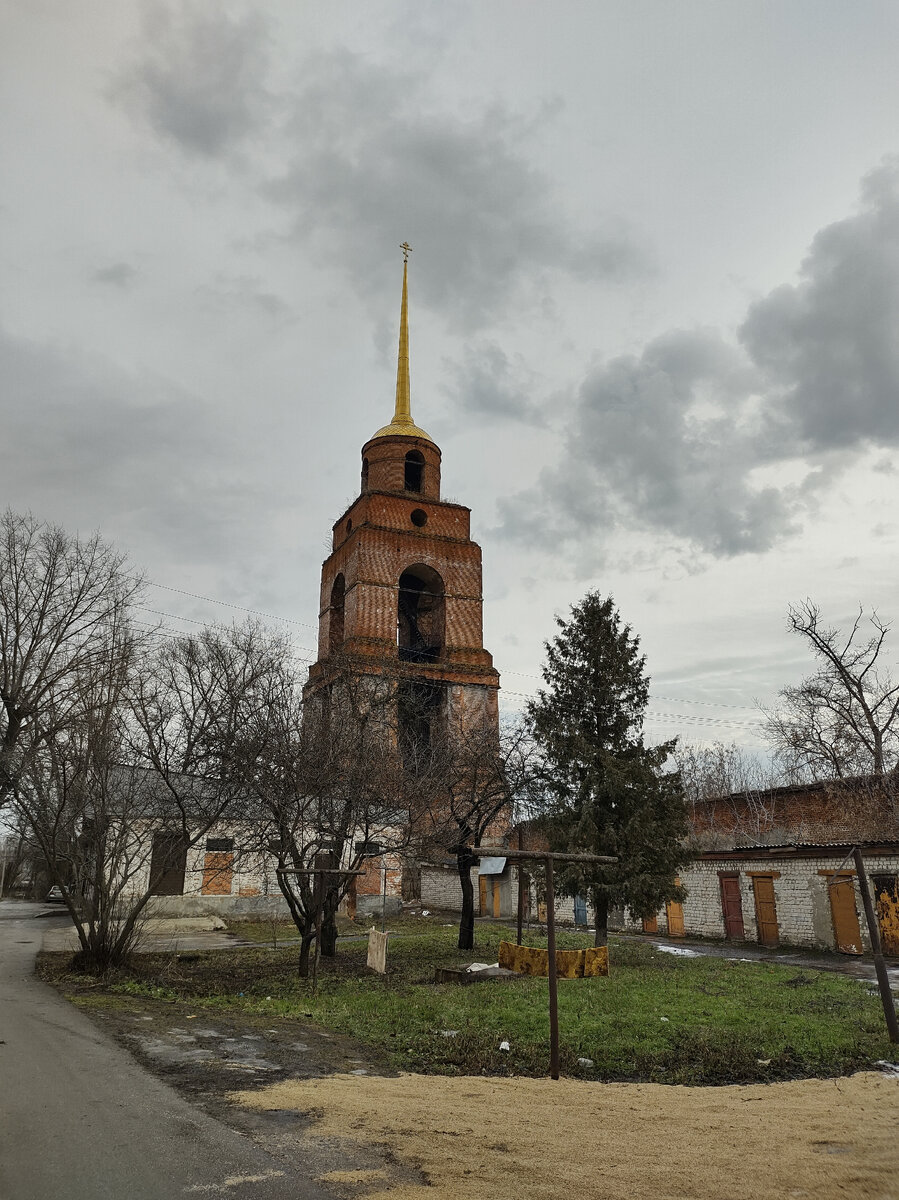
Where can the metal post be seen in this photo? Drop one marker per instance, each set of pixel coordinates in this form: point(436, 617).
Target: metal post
point(883, 980)
point(553, 981)
point(521, 877)
point(319, 888)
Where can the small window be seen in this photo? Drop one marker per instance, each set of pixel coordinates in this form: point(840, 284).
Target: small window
point(365, 474)
point(368, 849)
point(349, 525)
point(414, 473)
point(219, 845)
point(419, 517)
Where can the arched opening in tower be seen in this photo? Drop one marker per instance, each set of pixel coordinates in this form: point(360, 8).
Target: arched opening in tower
point(420, 718)
point(420, 615)
point(335, 624)
point(414, 471)
point(365, 475)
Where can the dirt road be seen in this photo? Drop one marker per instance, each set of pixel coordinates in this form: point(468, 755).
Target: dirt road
point(473, 1138)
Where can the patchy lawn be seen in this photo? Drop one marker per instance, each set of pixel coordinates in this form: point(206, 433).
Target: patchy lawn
point(658, 1017)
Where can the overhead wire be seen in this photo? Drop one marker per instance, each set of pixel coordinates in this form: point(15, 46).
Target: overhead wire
point(659, 717)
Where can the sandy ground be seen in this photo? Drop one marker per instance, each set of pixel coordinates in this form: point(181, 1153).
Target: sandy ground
point(473, 1138)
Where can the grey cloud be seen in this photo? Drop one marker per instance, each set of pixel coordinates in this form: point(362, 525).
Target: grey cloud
point(226, 291)
point(675, 441)
point(197, 78)
point(374, 162)
point(118, 274)
point(88, 445)
point(659, 443)
point(488, 383)
point(370, 161)
point(828, 345)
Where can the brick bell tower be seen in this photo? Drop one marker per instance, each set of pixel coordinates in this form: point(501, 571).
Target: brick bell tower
point(401, 589)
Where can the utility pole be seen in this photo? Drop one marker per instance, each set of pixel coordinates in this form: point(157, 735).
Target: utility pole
point(880, 969)
point(547, 857)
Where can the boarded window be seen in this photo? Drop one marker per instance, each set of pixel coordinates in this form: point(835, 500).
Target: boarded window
point(218, 871)
point(168, 863)
point(220, 844)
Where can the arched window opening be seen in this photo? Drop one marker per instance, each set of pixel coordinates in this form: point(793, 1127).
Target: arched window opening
point(335, 626)
point(365, 474)
point(420, 707)
point(420, 615)
point(415, 470)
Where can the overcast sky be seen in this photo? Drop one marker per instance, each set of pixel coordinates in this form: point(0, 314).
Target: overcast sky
point(654, 303)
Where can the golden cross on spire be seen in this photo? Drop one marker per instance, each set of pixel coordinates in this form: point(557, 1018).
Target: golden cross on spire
point(406, 249)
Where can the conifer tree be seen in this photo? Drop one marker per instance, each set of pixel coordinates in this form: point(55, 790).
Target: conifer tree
point(605, 791)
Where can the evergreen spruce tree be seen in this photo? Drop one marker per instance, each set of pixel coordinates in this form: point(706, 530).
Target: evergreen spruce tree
point(605, 791)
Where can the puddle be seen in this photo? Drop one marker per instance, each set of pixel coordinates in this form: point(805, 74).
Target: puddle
point(680, 951)
point(174, 1054)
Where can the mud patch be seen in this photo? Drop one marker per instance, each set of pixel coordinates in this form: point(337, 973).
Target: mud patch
point(203, 1059)
point(207, 1061)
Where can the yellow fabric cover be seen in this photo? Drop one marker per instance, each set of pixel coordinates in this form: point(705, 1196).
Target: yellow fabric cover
point(570, 964)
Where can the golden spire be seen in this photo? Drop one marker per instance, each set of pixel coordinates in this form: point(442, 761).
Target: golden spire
point(402, 422)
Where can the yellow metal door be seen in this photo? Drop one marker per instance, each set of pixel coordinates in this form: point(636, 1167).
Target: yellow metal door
point(846, 931)
point(497, 905)
point(765, 910)
point(482, 895)
point(675, 914)
point(886, 893)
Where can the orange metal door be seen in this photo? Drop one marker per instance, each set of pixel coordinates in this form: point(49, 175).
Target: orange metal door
point(497, 905)
point(846, 930)
point(482, 894)
point(765, 910)
point(650, 925)
point(674, 911)
point(886, 893)
point(732, 906)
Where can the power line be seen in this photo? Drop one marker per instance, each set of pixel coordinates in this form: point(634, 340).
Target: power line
point(687, 717)
point(667, 699)
point(228, 604)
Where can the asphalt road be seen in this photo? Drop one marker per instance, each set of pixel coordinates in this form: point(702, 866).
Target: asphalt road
point(81, 1120)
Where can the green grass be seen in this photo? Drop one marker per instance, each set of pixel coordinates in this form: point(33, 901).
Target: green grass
point(657, 1017)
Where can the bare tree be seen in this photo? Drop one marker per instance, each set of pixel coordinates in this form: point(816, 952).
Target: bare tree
point(60, 596)
point(478, 773)
point(843, 721)
point(331, 790)
point(140, 771)
point(727, 789)
point(16, 858)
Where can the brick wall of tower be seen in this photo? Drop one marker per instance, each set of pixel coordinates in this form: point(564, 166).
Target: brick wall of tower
point(375, 541)
point(386, 458)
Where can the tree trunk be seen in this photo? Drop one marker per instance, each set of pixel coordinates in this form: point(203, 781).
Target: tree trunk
point(465, 862)
point(601, 908)
point(329, 931)
point(306, 941)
